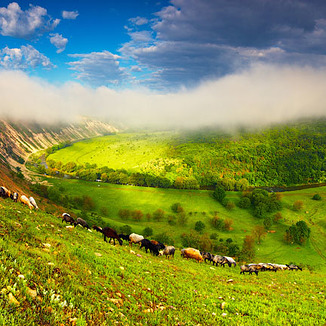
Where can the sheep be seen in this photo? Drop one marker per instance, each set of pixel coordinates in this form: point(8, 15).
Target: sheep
point(68, 219)
point(148, 245)
point(249, 268)
point(293, 267)
point(230, 261)
point(26, 201)
point(111, 234)
point(97, 228)
point(168, 251)
point(14, 196)
point(82, 222)
point(281, 267)
point(217, 259)
point(207, 256)
point(33, 202)
point(160, 245)
point(4, 192)
point(124, 236)
point(135, 238)
point(192, 253)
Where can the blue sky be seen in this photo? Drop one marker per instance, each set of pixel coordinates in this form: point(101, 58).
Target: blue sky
point(170, 48)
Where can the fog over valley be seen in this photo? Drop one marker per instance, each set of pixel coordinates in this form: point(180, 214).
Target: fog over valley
point(261, 95)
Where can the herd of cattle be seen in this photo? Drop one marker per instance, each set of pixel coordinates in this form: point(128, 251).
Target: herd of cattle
point(155, 247)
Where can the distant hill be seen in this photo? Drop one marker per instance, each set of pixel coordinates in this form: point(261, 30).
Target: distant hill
point(19, 139)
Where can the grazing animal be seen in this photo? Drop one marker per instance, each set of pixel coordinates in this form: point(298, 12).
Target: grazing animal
point(111, 234)
point(33, 202)
point(97, 228)
point(280, 267)
point(124, 236)
point(14, 196)
point(168, 251)
point(207, 256)
point(82, 222)
point(157, 243)
point(192, 253)
point(4, 192)
point(67, 218)
point(26, 201)
point(230, 261)
point(249, 269)
point(217, 259)
point(293, 267)
point(148, 245)
point(135, 238)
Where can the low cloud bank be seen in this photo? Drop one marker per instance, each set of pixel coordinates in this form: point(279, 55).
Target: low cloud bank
point(260, 95)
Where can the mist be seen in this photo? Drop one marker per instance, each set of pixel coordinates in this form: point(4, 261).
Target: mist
point(261, 95)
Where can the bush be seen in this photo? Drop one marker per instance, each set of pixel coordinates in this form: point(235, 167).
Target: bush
point(147, 232)
point(228, 224)
point(298, 205)
point(199, 226)
point(277, 217)
point(214, 236)
point(190, 240)
point(137, 214)
point(164, 238)
point(297, 233)
point(244, 203)
point(219, 194)
point(126, 229)
point(124, 214)
point(177, 208)
point(268, 222)
point(230, 205)
point(218, 223)
point(158, 215)
point(182, 219)
point(172, 220)
point(316, 197)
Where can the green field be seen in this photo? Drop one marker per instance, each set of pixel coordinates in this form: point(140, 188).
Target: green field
point(200, 206)
point(121, 151)
point(51, 275)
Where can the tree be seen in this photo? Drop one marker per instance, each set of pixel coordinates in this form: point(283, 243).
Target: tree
point(248, 248)
point(124, 214)
point(268, 222)
point(199, 226)
point(244, 202)
point(297, 233)
point(277, 217)
point(259, 232)
point(219, 194)
point(177, 208)
point(137, 214)
point(205, 243)
point(158, 215)
point(147, 232)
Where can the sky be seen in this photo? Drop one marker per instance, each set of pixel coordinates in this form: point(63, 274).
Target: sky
point(174, 62)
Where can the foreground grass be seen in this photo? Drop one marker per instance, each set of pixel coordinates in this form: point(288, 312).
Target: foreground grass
point(73, 277)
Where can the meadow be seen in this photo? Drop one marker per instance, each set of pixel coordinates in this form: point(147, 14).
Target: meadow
point(52, 275)
point(199, 205)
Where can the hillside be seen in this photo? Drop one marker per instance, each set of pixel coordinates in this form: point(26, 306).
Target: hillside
point(20, 139)
point(278, 156)
point(52, 275)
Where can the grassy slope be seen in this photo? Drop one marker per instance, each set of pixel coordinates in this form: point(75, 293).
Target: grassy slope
point(120, 151)
point(272, 248)
point(123, 288)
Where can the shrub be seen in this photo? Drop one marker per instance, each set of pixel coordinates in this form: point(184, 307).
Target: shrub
point(244, 203)
point(124, 214)
point(182, 219)
point(190, 239)
point(219, 194)
point(164, 238)
point(228, 224)
point(177, 208)
point(172, 220)
point(248, 249)
point(147, 232)
point(199, 226)
point(158, 215)
point(316, 197)
point(298, 205)
point(268, 222)
point(230, 205)
point(277, 217)
point(126, 229)
point(137, 214)
point(214, 236)
point(218, 223)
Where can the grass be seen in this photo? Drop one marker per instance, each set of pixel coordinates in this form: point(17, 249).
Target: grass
point(203, 206)
point(71, 277)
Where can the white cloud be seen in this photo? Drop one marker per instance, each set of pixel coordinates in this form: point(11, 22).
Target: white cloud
point(58, 41)
point(139, 21)
point(98, 68)
point(70, 14)
point(262, 94)
point(25, 24)
point(23, 58)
